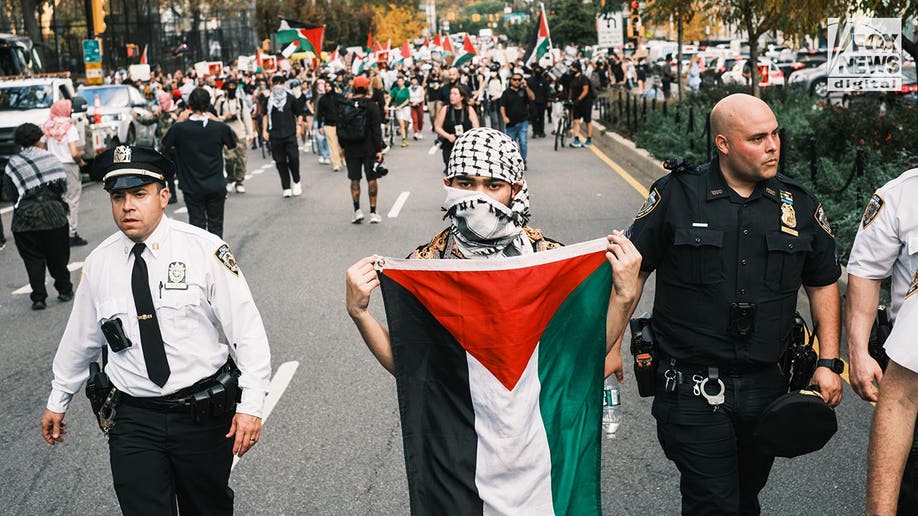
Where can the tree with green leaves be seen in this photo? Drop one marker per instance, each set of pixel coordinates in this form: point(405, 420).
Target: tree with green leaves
point(574, 23)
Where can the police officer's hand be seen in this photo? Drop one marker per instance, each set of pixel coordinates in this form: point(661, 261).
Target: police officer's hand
point(626, 265)
point(247, 431)
point(829, 384)
point(53, 427)
point(863, 371)
point(361, 279)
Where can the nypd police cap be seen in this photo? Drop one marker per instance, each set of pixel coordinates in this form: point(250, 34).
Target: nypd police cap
point(127, 166)
point(795, 424)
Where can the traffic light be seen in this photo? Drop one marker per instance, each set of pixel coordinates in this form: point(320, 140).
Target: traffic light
point(98, 17)
point(635, 29)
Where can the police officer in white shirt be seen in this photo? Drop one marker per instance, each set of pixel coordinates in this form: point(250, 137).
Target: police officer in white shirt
point(152, 300)
point(886, 246)
point(894, 421)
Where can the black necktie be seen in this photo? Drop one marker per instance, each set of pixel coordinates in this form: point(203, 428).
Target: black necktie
point(154, 354)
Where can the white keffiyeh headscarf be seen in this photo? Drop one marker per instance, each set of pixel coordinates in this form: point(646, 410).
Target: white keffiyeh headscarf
point(482, 226)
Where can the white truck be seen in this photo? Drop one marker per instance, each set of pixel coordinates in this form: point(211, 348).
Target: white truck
point(28, 99)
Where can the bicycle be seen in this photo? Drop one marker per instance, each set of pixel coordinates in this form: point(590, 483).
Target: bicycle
point(564, 124)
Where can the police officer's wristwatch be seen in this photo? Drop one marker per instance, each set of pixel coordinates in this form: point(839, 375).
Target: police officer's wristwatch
point(837, 365)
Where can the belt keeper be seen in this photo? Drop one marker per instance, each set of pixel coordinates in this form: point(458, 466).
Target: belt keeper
point(713, 373)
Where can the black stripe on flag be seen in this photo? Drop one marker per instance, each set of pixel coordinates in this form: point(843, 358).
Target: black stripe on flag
point(438, 421)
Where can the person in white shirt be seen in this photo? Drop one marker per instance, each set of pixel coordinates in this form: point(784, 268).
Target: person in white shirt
point(171, 386)
point(62, 139)
point(886, 246)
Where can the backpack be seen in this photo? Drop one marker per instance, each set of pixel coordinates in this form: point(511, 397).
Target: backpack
point(352, 119)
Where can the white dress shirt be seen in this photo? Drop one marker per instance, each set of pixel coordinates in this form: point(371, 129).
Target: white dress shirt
point(900, 346)
point(197, 289)
point(887, 239)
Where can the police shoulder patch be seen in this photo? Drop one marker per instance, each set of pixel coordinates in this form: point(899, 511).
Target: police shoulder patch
point(652, 201)
point(823, 220)
point(873, 209)
point(225, 256)
point(913, 287)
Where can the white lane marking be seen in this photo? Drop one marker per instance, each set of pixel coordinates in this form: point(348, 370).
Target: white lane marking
point(6, 210)
point(279, 384)
point(178, 211)
point(266, 166)
point(397, 207)
point(248, 176)
point(257, 171)
point(73, 266)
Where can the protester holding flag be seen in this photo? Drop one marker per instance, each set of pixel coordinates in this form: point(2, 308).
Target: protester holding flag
point(509, 446)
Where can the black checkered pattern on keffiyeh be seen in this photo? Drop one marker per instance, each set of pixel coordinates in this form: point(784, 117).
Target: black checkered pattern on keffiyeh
point(488, 152)
point(33, 167)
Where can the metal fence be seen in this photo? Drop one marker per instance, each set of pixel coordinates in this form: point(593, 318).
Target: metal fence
point(221, 35)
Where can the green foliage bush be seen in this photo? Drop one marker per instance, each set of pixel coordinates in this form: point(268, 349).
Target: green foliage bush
point(885, 132)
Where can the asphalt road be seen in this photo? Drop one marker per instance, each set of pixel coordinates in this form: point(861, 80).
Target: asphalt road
point(332, 445)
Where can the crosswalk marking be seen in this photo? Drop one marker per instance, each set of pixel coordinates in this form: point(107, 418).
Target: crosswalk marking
point(399, 203)
point(73, 266)
point(279, 384)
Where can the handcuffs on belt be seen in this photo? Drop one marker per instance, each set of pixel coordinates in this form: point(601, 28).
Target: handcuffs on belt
point(699, 388)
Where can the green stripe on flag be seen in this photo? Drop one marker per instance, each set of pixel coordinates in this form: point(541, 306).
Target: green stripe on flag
point(571, 361)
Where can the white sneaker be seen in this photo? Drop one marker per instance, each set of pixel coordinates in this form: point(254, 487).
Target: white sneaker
point(287, 192)
point(336, 169)
point(240, 188)
point(415, 136)
point(358, 217)
point(297, 189)
point(229, 187)
point(375, 218)
point(420, 136)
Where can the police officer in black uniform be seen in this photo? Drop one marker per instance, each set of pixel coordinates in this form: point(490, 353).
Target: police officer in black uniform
point(732, 242)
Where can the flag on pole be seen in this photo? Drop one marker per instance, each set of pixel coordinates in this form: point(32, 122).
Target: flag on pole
point(499, 371)
point(448, 45)
point(467, 52)
point(426, 42)
point(296, 41)
point(143, 56)
point(369, 40)
point(406, 50)
point(438, 41)
point(540, 42)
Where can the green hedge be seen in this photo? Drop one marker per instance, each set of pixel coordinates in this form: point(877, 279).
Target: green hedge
point(886, 138)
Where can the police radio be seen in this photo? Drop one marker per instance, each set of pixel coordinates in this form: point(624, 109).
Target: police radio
point(678, 165)
point(642, 348)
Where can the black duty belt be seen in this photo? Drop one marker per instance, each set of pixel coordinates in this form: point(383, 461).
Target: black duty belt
point(192, 398)
point(692, 368)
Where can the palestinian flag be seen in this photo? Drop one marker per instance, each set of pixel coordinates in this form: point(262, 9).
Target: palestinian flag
point(540, 43)
point(499, 370)
point(448, 45)
point(438, 41)
point(296, 41)
point(467, 53)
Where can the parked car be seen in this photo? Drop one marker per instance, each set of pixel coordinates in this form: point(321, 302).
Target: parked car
point(803, 59)
point(812, 80)
point(116, 112)
point(712, 74)
point(740, 73)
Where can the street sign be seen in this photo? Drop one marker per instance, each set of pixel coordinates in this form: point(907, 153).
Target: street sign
point(92, 51)
point(94, 75)
point(609, 30)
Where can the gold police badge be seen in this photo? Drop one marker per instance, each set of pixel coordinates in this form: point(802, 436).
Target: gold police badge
point(122, 154)
point(788, 216)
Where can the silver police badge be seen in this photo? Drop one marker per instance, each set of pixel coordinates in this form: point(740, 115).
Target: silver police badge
point(226, 257)
point(122, 154)
point(176, 277)
point(872, 210)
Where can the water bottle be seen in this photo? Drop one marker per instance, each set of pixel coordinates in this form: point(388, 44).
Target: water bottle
point(611, 407)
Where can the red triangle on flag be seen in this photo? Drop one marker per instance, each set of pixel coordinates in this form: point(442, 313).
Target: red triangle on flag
point(406, 50)
point(467, 45)
point(426, 42)
point(448, 45)
point(438, 41)
point(498, 317)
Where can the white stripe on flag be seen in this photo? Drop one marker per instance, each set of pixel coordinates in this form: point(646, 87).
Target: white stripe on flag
point(513, 464)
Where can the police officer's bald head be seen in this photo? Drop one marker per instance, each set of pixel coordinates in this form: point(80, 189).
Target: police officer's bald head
point(746, 137)
point(732, 110)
